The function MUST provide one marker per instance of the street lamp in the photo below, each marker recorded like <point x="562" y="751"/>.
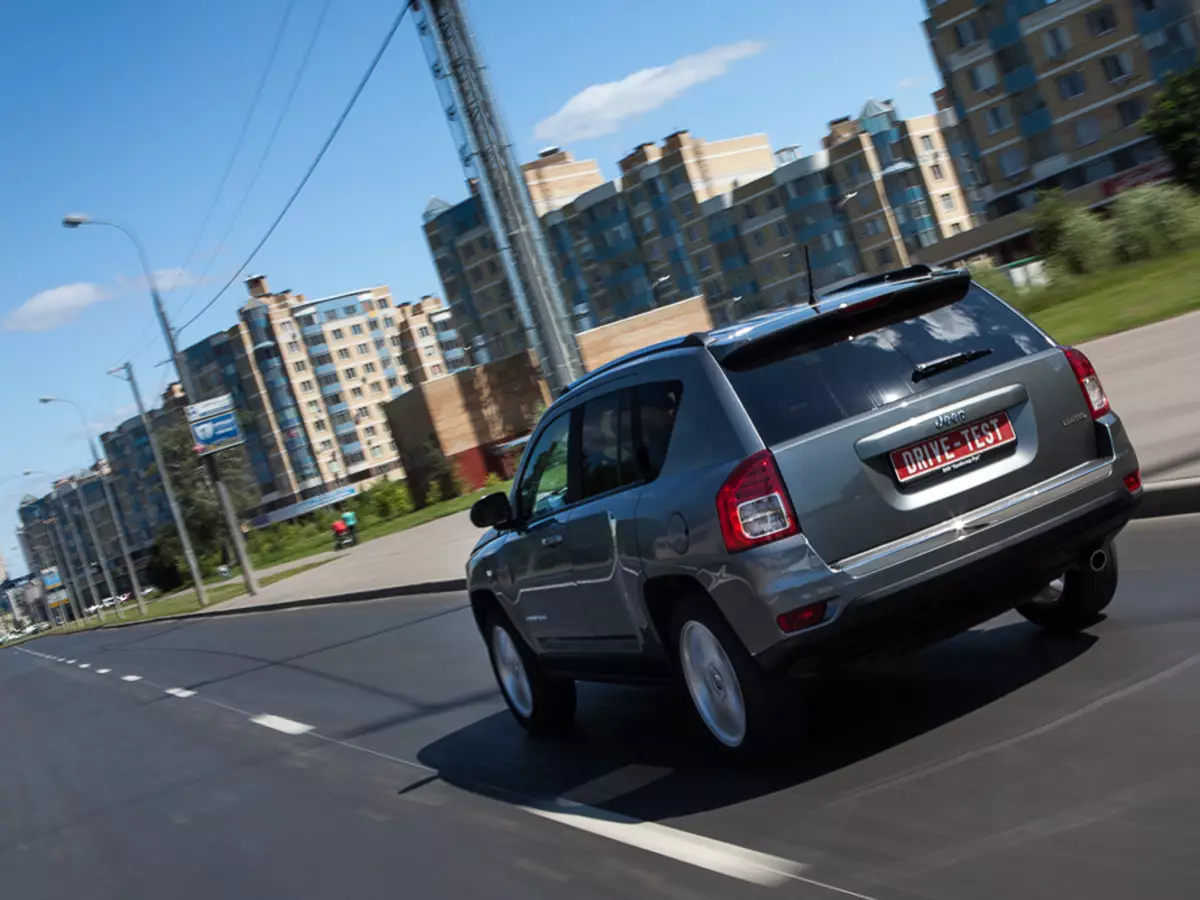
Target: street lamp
<point x="114" y="513"/>
<point x="74" y="220"/>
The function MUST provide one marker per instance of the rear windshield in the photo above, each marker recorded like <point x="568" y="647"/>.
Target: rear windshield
<point x="790" y="394"/>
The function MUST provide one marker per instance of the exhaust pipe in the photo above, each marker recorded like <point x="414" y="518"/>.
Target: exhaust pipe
<point x="1098" y="560"/>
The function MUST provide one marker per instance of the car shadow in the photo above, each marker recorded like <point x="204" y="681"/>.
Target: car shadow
<point x="856" y="713"/>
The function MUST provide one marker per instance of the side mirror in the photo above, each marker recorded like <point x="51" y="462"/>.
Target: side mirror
<point x="493" y="511"/>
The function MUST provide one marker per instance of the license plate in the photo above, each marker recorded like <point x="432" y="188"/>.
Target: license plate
<point x="952" y="448"/>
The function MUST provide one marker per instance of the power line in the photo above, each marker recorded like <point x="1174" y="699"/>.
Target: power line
<point x="262" y="159"/>
<point x="312" y="168"/>
<point x="237" y="149"/>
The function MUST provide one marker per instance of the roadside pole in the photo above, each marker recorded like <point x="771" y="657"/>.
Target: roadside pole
<point x="68" y="570"/>
<point x="100" y="554"/>
<point x="83" y="561"/>
<point x="168" y="489"/>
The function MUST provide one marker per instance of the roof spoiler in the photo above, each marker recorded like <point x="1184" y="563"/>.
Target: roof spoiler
<point x="933" y="290"/>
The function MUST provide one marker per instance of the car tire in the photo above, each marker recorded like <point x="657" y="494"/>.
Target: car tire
<point x="540" y="704"/>
<point x="751" y="714"/>
<point x="1074" y="601"/>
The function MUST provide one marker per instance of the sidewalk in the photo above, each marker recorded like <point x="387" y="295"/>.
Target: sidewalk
<point x="1150" y="375"/>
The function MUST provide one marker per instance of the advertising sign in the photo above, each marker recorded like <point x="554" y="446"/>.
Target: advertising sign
<point x="216" y="433"/>
<point x="208" y="408"/>
<point x="51" y="580"/>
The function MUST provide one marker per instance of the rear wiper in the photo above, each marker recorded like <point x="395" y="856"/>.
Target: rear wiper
<point x="945" y="363"/>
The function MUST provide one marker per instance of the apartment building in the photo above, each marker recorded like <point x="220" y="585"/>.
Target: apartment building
<point x="135" y="482"/>
<point x="1051" y="93"/>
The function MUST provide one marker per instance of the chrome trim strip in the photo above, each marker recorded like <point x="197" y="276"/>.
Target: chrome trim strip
<point x="996" y="513"/>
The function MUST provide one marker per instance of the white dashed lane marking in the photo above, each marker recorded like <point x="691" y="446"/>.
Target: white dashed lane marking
<point x="103" y="671"/>
<point x="180" y="692"/>
<point x="131" y="677"/>
<point x="85" y="665"/>
<point x="287" y="726"/>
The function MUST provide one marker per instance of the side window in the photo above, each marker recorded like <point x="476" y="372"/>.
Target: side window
<point x="543" y="487"/>
<point x="606" y="444"/>
<point x="657" y="403"/>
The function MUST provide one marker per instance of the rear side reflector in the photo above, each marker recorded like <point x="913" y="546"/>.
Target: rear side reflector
<point x="753" y="506"/>
<point x="804" y="617"/>
<point x="1089" y="382"/>
<point x="1133" y="481"/>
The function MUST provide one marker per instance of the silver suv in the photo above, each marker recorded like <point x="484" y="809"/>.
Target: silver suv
<point x="897" y="462"/>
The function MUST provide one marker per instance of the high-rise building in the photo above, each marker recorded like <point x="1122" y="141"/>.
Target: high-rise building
<point x="1051" y="93"/>
<point x="311" y="377"/>
<point x="135" y="481"/>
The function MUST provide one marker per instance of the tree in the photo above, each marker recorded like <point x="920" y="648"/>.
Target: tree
<point x="1174" y="123"/>
<point x="1049" y="219"/>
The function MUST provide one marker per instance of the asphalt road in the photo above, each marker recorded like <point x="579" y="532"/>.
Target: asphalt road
<point x="1000" y="764"/>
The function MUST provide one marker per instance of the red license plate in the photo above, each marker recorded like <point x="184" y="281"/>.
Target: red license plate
<point x="945" y="450"/>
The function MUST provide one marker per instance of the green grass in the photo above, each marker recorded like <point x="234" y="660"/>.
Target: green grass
<point x="182" y="603"/>
<point x="370" y="530"/>
<point x="1083" y="308"/>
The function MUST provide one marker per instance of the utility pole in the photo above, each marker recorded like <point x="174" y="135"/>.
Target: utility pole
<point x="231" y="520"/>
<point x="66" y="571"/>
<point x="168" y="489"/>
<point x="486" y="153"/>
<point x="100" y="554"/>
<point x="83" y="560"/>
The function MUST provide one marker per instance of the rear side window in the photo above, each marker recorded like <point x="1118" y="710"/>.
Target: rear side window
<point x="658" y="403"/>
<point x="624" y="436"/>
<point x="790" y="394"/>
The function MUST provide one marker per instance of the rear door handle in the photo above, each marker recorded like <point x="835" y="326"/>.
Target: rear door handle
<point x="552" y="540"/>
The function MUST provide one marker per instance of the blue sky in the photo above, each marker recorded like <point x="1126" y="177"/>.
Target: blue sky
<point x="129" y="110"/>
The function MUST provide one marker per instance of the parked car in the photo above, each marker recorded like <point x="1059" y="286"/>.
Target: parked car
<point x="892" y="464"/>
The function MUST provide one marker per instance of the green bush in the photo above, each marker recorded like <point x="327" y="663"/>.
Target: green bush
<point x="1087" y="243"/>
<point x="492" y="482"/>
<point x="1156" y="220"/>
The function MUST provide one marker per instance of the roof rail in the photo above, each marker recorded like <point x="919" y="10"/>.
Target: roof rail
<point x="695" y="339"/>
<point x="917" y="270"/>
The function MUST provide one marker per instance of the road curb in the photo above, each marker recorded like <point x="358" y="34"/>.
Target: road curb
<point x="1176" y="497"/>
<point x="402" y="590"/>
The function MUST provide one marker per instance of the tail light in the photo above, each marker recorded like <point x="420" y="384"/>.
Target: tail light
<point x="753" y="506"/>
<point x="1133" y="481"/>
<point x="804" y="617"/>
<point x="1089" y="382"/>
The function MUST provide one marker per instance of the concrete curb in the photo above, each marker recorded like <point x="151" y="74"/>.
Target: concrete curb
<point x="1176" y="497"/>
<point x="403" y="590"/>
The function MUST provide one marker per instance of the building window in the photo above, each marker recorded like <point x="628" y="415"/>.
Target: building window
<point x="389" y="322"/>
<point x="327" y="380"/>
<point x="377" y="387"/>
<point x="382" y="302"/>
<point x="363" y="349"/>
<point x="343" y="353"/>
<point x="1071" y="85"/>
<point x="781" y="228"/>
<point x="300" y="366"/>
<point x="293" y="346"/>
<point x="1012" y="161"/>
<point x="938" y="174"/>
<point x="1087" y="131"/>
<point x="748" y="212"/>
<point x="430" y="351"/>
<point x="982" y="77"/>
<point x="1130" y="111"/>
<point x="376" y="452"/>
<point x="307" y="387"/>
<point x="319" y="425"/>
<point x="967" y="33"/>
<point x="368" y="368"/>
<point x="350" y="372"/>
<point x="1117" y="67"/>
<point x="337" y="334"/>
<point x="948" y="203"/>
<point x="997" y="118"/>
<point x="436" y="369"/>
<point x="314" y="406"/>
<point x="955" y="228"/>
<point x="703" y="262"/>
<point x="691" y="233"/>
<point x="927" y="143"/>
<point x="407" y="381"/>
<point x="759" y="240"/>
<point x="356" y="329"/>
<point x="883" y="256"/>
<point x="395" y="339"/>
<point x="423" y="331"/>
<point x="327" y="444"/>
<point x="1102" y="20"/>
<point x="1056" y="41"/>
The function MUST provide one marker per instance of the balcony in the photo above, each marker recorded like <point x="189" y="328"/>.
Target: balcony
<point x="1051" y="166"/>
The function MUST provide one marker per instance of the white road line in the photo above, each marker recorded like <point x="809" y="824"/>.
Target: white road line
<point x="131" y="677"/>
<point x="70" y="662"/>
<point x="85" y="665"/>
<point x="716" y="856"/>
<point x="103" y="671"/>
<point x="180" y="692"/>
<point x="287" y="726"/>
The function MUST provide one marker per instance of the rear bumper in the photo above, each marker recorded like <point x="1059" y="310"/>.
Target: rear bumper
<point x="954" y="596"/>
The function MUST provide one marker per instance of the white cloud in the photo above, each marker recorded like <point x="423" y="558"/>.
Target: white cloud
<point x="601" y="109"/>
<point x="166" y="279"/>
<point x="911" y="81"/>
<point x="54" y="307"/>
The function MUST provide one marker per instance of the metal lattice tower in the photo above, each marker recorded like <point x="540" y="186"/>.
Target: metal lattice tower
<point x="486" y="153"/>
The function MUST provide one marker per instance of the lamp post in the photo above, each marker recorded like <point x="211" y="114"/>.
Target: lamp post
<point x="74" y="220"/>
<point x="114" y="513"/>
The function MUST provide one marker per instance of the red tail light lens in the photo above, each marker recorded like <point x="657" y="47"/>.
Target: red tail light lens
<point x="1133" y="481"/>
<point x="799" y="619"/>
<point x="1089" y="382"/>
<point x="753" y="506"/>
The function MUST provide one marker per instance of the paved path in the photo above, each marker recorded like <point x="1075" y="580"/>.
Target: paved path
<point x="998" y="765"/>
<point x="1151" y="374"/>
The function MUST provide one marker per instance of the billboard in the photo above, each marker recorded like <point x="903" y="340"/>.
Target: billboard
<point x="51" y="580"/>
<point x="214" y="424"/>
